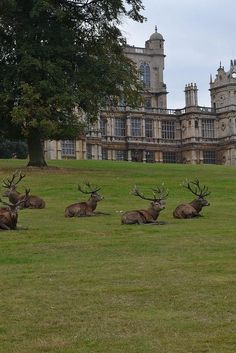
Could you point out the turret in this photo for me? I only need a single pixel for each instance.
(155, 42)
(223, 87)
(191, 98)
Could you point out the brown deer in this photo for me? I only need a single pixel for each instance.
(14, 196)
(149, 215)
(81, 209)
(192, 209)
(9, 214)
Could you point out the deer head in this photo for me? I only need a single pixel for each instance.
(197, 190)
(92, 191)
(10, 183)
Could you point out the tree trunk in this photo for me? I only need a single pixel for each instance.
(36, 150)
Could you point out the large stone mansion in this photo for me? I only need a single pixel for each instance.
(155, 133)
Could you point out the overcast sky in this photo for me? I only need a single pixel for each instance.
(199, 34)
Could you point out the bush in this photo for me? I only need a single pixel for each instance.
(13, 149)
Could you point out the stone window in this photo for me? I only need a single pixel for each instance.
(104, 153)
(150, 157)
(208, 128)
(148, 127)
(168, 129)
(68, 148)
(89, 151)
(136, 155)
(135, 127)
(209, 157)
(121, 155)
(169, 157)
(119, 127)
(144, 70)
(103, 126)
(147, 104)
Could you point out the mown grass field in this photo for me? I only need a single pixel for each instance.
(91, 285)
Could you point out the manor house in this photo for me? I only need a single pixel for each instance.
(155, 133)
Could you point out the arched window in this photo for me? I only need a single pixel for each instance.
(145, 74)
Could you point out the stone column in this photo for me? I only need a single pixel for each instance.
(194, 157)
(144, 157)
(201, 157)
(129, 156)
(128, 132)
(155, 128)
(58, 148)
(143, 128)
(99, 152)
(159, 129)
(109, 155)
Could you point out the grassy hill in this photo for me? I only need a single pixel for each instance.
(92, 285)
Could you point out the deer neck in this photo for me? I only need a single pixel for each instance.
(92, 203)
(196, 204)
(153, 212)
(14, 196)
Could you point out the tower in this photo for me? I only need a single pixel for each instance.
(150, 63)
(223, 88)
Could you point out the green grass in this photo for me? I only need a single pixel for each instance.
(91, 285)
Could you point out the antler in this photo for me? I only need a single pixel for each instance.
(162, 191)
(198, 191)
(12, 182)
(89, 190)
(136, 192)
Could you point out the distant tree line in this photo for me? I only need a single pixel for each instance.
(13, 149)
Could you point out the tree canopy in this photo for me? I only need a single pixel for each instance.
(56, 55)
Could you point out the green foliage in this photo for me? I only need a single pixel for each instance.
(92, 285)
(57, 55)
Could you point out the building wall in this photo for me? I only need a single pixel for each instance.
(193, 134)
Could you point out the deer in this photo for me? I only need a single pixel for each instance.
(193, 209)
(14, 196)
(9, 213)
(150, 215)
(87, 208)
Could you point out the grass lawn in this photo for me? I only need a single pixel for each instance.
(92, 285)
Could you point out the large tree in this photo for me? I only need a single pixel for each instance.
(57, 56)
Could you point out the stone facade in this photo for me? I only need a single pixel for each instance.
(154, 133)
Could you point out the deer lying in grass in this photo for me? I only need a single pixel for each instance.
(14, 196)
(192, 209)
(9, 213)
(149, 215)
(81, 209)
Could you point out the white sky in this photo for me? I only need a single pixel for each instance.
(199, 34)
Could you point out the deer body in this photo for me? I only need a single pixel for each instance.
(32, 201)
(143, 216)
(193, 209)
(8, 218)
(85, 209)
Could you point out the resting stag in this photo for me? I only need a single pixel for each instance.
(9, 213)
(14, 196)
(150, 215)
(86, 208)
(193, 209)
